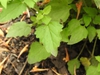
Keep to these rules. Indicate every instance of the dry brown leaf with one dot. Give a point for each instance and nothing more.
(1, 33)
(22, 51)
(7, 29)
(6, 43)
(66, 59)
(78, 5)
(3, 49)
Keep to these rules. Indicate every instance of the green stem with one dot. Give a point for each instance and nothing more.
(94, 47)
(88, 50)
(81, 50)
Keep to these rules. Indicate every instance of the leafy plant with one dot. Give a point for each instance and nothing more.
(4, 3)
(54, 23)
(37, 51)
(73, 65)
(18, 27)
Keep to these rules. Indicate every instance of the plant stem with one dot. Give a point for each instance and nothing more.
(88, 50)
(94, 47)
(81, 50)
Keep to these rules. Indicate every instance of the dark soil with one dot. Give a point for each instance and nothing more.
(20, 66)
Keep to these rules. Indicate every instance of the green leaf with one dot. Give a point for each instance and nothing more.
(78, 35)
(69, 1)
(13, 10)
(50, 36)
(33, 18)
(91, 33)
(97, 58)
(96, 19)
(60, 10)
(85, 61)
(74, 33)
(37, 53)
(30, 3)
(39, 16)
(98, 33)
(65, 35)
(47, 10)
(94, 62)
(98, 67)
(19, 29)
(72, 25)
(73, 64)
(87, 19)
(97, 2)
(35, 0)
(90, 11)
(46, 19)
(92, 70)
(88, 3)
(4, 3)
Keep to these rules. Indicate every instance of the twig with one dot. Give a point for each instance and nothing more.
(88, 50)
(81, 49)
(23, 17)
(36, 69)
(22, 51)
(55, 71)
(2, 63)
(94, 47)
(6, 43)
(14, 67)
(23, 67)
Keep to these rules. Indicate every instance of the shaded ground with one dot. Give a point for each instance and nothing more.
(16, 64)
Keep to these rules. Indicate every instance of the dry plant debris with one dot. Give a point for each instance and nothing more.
(2, 63)
(66, 59)
(36, 69)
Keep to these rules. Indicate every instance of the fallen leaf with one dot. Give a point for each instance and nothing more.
(6, 43)
(3, 49)
(85, 61)
(1, 33)
(66, 59)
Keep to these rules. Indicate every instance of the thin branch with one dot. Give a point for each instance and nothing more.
(81, 49)
(94, 46)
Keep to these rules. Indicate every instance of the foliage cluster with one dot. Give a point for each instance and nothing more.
(59, 20)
